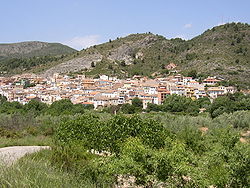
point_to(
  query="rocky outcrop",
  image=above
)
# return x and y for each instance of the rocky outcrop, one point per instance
(74, 65)
(126, 52)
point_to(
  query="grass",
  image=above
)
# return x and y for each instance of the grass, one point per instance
(35, 170)
(26, 141)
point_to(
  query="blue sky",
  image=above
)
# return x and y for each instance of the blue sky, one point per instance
(81, 23)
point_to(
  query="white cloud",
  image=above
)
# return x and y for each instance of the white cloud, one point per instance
(83, 42)
(188, 25)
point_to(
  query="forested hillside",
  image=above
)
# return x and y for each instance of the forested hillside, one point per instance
(155, 149)
(24, 56)
(220, 51)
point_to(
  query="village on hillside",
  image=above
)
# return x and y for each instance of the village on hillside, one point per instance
(106, 91)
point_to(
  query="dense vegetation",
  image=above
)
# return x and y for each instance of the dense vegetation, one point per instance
(33, 119)
(183, 105)
(18, 65)
(172, 147)
(186, 106)
(34, 114)
(176, 151)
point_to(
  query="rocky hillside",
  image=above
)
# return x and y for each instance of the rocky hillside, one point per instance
(100, 58)
(31, 49)
(221, 51)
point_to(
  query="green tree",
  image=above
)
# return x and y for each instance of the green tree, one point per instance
(176, 103)
(64, 106)
(35, 106)
(11, 107)
(153, 107)
(128, 109)
(88, 106)
(204, 102)
(80, 109)
(137, 103)
(221, 105)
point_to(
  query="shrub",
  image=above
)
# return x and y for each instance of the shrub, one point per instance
(238, 119)
(173, 153)
(153, 107)
(89, 132)
(65, 107)
(80, 130)
(176, 103)
(36, 107)
(229, 104)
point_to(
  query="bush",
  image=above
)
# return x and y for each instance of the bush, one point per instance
(135, 107)
(81, 130)
(204, 102)
(137, 103)
(65, 107)
(128, 109)
(154, 107)
(172, 153)
(229, 104)
(89, 132)
(239, 119)
(176, 103)
(35, 107)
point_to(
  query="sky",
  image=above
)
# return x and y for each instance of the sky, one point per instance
(82, 23)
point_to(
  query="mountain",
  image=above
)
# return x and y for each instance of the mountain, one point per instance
(33, 48)
(25, 56)
(220, 51)
(135, 54)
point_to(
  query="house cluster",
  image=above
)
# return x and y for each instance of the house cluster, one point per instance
(106, 91)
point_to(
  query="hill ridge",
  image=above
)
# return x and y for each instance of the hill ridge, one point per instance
(220, 51)
(32, 48)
